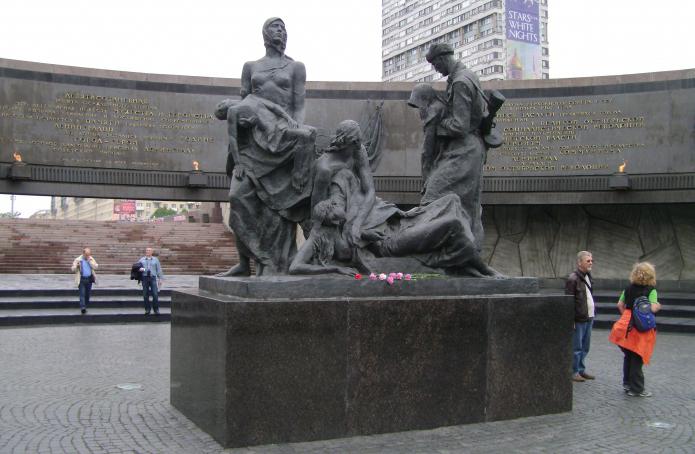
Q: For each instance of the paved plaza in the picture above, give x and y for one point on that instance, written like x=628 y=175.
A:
x=105 y=389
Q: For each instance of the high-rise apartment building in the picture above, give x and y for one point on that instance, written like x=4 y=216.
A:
x=497 y=39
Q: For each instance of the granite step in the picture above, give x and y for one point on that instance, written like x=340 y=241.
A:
x=666 y=310
x=665 y=324
x=65 y=302
x=53 y=300
x=665 y=298
x=678 y=304
x=29 y=317
x=183 y=248
x=96 y=293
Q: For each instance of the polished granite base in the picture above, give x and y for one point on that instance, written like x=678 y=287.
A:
x=259 y=371
x=331 y=286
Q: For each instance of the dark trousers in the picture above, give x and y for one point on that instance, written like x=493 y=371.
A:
x=85 y=289
x=632 y=371
x=149 y=287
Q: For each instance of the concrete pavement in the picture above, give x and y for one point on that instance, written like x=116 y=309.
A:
x=59 y=392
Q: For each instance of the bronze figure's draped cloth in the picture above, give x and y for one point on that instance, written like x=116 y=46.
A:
x=275 y=158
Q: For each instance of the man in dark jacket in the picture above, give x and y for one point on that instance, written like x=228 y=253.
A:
x=135 y=273
x=580 y=285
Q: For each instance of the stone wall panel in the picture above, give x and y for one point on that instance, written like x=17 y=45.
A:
x=615 y=248
x=491 y=235
x=511 y=221
x=667 y=260
x=535 y=246
x=506 y=259
x=655 y=228
x=684 y=225
x=572 y=237
x=625 y=215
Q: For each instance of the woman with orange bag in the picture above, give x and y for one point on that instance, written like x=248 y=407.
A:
x=636 y=346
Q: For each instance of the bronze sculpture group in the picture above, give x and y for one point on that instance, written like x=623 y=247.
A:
x=279 y=181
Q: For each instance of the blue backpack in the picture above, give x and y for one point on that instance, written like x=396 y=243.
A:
x=642 y=316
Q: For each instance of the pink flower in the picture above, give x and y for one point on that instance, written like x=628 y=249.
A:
x=372 y=277
x=390 y=280
x=399 y=276
x=407 y=277
x=358 y=276
x=382 y=277
x=393 y=275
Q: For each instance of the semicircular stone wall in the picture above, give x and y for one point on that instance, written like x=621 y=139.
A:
x=549 y=191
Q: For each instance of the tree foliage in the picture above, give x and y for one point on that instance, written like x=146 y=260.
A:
x=163 y=212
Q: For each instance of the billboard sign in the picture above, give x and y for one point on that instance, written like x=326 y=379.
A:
x=124 y=210
x=124 y=207
x=523 y=39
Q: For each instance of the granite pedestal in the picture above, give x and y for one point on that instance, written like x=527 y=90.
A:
x=263 y=370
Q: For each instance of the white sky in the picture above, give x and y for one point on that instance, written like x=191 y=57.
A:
x=336 y=39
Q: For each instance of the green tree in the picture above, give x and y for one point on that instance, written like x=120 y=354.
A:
x=9 y=215
x=163 y=212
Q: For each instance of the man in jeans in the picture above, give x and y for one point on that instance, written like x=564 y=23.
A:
x=151 y=280
x=84 y=267
x=579 y=284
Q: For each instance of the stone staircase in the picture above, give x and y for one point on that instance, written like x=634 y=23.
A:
x=676 y=297
x=52 y=299
x=49 y=246
x=60 y=307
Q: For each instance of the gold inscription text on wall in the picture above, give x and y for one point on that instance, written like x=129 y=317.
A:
x=88 y=128
x=565 y=136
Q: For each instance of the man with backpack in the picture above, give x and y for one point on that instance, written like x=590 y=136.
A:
x=580 y=285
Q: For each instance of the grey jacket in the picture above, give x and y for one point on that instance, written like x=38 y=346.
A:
x=155 y=267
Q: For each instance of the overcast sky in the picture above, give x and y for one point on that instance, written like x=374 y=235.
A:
x=336 y=39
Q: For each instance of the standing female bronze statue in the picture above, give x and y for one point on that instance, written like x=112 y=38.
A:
x=276 y=77
x=270 y=157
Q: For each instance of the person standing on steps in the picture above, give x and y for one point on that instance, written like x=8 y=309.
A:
x=152 y=278
x=84 y=267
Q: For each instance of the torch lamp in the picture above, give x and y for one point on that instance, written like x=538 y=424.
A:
x=196 y=178
x=19 y=169
x=620 y=181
